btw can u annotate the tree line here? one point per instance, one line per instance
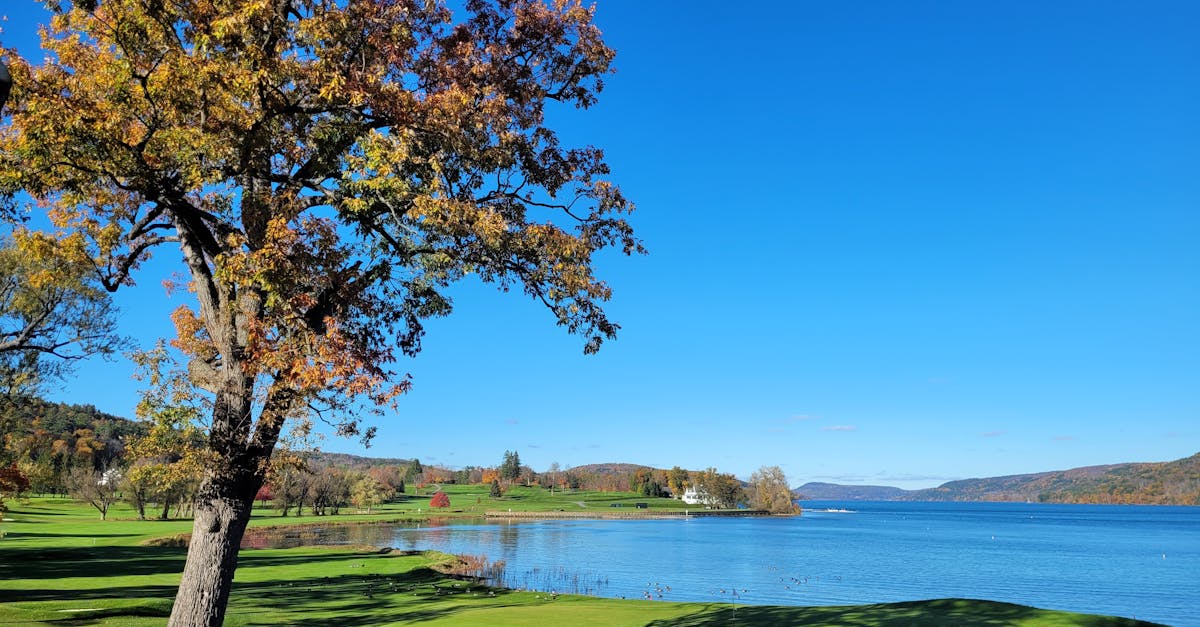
(156, 465)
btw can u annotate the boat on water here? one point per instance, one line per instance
(833, 510)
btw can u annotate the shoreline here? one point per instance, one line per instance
(633, 515)
(359, 584)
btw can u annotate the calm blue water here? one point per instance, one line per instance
(1141, 562)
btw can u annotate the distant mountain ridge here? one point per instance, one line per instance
(1156, 483)
(611, 468)
(818, 491)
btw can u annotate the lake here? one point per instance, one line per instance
(1135, 561)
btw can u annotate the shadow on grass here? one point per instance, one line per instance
(415, 595)
(419, 595)
(30, 534)
(92, 561)
(935, 613)
(97, 594)
(28, 510)
(119, 561)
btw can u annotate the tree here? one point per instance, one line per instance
(327, 169)
(771, 492)
(285, 486)
(368, 492)
(510, 468)
(720, 489)
(52, 313)
(329, 489)
(678, 481)
(553, 476)
(391, 477)
(138, 487)
(13, 483)
(168, 459)
(495, 491)
(643, 481)
(527, 476)
(97, 488)
(416, 471)
(264, 495)
(440, 499)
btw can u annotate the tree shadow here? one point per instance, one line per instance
(415, 595)
(111, 561)
(933, 613)
(36, 511)
(96, 594)
(15, 535)
(418, 595)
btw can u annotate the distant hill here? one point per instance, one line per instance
(610, 468)
(59, 418)
(817, 491)
(1159, 483)
(1162, 483)
(356, 462)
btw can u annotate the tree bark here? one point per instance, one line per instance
(221, 512)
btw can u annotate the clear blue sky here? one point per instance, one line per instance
(890, 243)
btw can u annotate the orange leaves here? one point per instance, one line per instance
(333, 361)
(191, 336)
(326, 171)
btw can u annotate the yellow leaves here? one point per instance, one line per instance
(334, 85)
(49, 262)
(461, 219)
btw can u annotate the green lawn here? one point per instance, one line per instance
(61, 565)
(532, 499)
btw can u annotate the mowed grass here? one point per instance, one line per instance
(475, 499)
(60, 565)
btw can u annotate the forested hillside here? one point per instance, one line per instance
(1160, 483)
(1164, 483)
(818, 491)
(47, 440)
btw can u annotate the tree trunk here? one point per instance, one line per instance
(221, 512)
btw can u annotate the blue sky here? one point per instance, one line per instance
(890, 243)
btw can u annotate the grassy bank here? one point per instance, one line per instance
(61, 565)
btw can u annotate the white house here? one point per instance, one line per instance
(692, 496)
